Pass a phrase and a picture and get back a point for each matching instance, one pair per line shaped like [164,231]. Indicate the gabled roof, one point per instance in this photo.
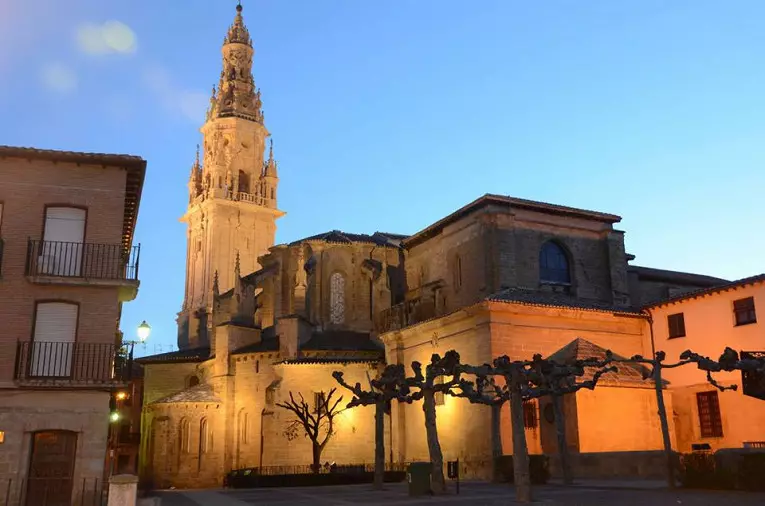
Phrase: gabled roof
[732,285]
[685,278]
[557,300]
[582,349]
[508,202]
[190,355]
[198,393]
[339,237]
[135,166]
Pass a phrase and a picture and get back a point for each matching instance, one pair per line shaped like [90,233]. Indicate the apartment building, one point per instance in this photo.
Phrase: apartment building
[67,264]
[706,321]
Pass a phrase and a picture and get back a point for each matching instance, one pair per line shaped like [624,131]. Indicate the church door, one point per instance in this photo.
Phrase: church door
[51,468]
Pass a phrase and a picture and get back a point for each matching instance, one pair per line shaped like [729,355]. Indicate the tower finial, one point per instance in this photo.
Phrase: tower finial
[237,270]
[239,6]
[216,289]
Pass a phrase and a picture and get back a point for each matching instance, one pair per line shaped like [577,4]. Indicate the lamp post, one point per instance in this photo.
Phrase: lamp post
[143,331]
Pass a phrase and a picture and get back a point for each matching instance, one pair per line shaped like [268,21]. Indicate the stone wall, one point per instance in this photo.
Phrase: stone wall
[604,465]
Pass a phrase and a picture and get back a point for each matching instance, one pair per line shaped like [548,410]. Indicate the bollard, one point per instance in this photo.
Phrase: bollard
[123,490]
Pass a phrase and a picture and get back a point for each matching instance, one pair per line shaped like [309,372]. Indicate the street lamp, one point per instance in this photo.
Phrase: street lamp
[144,329]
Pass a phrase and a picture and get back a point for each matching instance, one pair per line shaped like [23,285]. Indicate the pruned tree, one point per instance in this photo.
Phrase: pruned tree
[391,384]
[426,386]
[729,361]
[317,422]
[550,378]
[485,390]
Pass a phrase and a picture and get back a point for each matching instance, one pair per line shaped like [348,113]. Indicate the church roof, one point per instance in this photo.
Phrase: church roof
[336,236]
[332,360]
[190,355]
[731,285]
[582,349]
[198,393]
[557,300]
[686,278]
[341,340]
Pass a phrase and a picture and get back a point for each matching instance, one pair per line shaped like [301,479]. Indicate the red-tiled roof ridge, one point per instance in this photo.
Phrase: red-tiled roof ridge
[739,283]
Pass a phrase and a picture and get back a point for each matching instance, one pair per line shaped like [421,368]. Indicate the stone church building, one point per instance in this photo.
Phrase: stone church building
[261,320]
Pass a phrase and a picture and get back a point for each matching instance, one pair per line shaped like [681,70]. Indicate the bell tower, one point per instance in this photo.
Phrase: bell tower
[232,209]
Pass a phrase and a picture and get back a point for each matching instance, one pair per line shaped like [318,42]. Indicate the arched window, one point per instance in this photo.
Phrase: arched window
[553,264]
[205,438]
[193,381]
[337,298]
[244,427]
[244,182]
[184,436]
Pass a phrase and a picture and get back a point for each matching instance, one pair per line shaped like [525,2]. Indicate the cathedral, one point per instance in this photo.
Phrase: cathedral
[261,321]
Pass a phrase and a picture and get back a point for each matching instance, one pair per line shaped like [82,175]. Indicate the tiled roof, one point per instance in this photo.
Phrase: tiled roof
[686,278]
[331,360]
[581,349]
[559,300]
[341,340]
[336,236]
[263,346]
[136,172]
[198,393]
[739,283]
[509,202]
[191,355]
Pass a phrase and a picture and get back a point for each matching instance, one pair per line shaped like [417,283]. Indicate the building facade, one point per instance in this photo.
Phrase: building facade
[706,321]
[68,264]
[262,322]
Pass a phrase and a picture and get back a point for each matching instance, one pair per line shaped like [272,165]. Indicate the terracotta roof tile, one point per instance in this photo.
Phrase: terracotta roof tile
[191,355]
[739,283]
[581,349]
[559,300]
[198,393]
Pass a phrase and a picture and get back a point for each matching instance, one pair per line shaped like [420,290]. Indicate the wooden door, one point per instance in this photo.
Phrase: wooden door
[51,468]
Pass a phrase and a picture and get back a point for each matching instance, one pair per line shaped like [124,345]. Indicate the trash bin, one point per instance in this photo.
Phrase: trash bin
[418,477]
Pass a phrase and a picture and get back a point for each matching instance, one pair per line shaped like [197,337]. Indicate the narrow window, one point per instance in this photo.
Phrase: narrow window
[244,182]
[204,437]
[457,272]
[270,396]
[553,264]
[710,421]
[439,396]
[320,403]
[337,298]
[184,436]
[530,419]
[257,366]
[55,329]
[244,427]
[273,194]
[676,325]
[744,311]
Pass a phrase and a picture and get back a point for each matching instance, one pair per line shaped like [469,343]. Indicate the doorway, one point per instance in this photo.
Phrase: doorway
[51,468]
[63,236]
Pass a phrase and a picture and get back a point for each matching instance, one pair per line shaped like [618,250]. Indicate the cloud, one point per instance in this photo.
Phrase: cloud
[109,37]
[191,104]
[58,77]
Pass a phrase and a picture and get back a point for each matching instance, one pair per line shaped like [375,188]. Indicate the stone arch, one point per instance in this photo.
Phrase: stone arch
[555,265]
[244,182]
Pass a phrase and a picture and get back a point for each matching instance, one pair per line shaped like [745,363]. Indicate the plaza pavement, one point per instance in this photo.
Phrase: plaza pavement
[623,493]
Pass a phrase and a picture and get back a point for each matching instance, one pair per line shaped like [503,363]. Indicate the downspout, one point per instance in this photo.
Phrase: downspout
[650,326]
[262,439]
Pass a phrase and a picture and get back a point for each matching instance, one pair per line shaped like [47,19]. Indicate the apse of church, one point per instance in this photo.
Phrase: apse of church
[232,206]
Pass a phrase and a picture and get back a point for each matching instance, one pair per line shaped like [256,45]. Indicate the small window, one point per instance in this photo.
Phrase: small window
[244,182]
[244,427]
[553,264]
[337,298]
[270,396]
[257,366]
[530,419]
[744,311]
[676,325]
[205,443]
[184,436]
[457,272]
[320,403]
[710,421]
[439,396]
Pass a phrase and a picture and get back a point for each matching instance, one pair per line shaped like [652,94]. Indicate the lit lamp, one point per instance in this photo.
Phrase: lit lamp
[144,329]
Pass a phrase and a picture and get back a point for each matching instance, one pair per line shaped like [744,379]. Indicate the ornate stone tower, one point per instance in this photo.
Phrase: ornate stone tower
[232,189]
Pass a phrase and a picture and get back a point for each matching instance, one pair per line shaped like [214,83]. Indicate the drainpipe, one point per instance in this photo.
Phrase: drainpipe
[650,326]
[262,439]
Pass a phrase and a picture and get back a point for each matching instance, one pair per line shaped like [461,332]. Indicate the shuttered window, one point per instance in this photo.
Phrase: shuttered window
[54,335]
[530,418]
[676,324]
[710,421]
[61,254]
[744,311]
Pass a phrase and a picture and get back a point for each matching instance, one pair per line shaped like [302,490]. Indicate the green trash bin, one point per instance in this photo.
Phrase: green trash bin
[418,477]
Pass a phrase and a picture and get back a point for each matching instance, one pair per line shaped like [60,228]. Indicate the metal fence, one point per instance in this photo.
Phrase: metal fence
[54,492]
[326,468]
[84,362]
[82,260]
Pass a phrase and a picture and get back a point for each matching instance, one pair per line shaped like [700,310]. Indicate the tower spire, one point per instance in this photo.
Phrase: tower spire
[270,168]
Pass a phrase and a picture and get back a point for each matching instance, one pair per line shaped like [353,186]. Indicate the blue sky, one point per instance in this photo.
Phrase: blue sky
[389,115]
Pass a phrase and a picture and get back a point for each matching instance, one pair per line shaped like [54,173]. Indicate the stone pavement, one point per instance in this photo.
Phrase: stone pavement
[623,493]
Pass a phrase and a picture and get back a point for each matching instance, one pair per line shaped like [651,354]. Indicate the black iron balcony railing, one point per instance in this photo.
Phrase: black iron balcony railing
[403,314]
[82,260]
[69,362]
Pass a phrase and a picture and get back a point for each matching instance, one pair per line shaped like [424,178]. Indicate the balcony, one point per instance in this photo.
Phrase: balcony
[404,314]
[75,263]
[69,365]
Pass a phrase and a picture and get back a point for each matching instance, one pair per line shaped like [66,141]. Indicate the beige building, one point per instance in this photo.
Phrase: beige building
[706,321]
[260,321]
[67,264]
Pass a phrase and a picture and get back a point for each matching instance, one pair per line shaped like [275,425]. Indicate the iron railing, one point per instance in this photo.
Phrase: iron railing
[69,362]
[82,260]
[405,313]
[44,491]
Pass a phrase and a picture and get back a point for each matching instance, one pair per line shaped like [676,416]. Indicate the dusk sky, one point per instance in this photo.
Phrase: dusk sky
[388,115]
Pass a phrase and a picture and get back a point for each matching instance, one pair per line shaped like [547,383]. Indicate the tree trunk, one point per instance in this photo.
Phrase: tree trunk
[379,444]
[316,457]
[496,441]
[434,447]
[521,474]
[560,429]
[664,426]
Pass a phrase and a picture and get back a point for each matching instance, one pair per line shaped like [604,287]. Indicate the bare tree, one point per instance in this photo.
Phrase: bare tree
[425,387]
[317,423]
[390,385]
[729,361]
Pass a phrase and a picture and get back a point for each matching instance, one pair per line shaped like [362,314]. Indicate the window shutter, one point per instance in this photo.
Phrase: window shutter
[55,331]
